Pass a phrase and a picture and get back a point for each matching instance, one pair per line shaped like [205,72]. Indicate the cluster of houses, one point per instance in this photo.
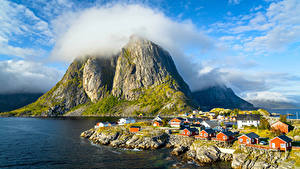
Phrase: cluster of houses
[212,130]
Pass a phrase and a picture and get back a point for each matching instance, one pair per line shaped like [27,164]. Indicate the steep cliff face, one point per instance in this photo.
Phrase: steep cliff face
[98,74]
[142,64]
[220,97]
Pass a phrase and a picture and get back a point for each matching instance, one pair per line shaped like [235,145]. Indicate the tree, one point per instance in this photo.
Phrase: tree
[264,123]
[282,118]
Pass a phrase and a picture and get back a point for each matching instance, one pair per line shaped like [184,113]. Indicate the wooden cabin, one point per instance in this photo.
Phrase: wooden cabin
[250,138]
[282,142]
[206,134]
[226,136]
[134,129]
[282,127]
[176,122]
[157,123]
[189,132]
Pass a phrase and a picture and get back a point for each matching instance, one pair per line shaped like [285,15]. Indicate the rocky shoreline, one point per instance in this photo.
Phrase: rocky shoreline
[189,149]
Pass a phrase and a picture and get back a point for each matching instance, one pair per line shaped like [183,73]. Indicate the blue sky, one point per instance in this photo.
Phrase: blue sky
[251,46]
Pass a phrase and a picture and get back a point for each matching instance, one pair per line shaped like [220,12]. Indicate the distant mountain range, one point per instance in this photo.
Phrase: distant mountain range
[9,102]
[142,78]
[267,104]
[220,96]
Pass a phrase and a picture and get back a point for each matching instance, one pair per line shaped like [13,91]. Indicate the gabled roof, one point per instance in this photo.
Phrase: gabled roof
[248,117]
[284,138]
[280,122]
[212,124]
[135,127]
[209,131]
[192,129]
[252,135]
[228,133]
[179,118]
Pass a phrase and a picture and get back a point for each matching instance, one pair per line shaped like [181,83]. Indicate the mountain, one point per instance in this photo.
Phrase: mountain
[268,104]
[141,78]
[10,102]
[219,97]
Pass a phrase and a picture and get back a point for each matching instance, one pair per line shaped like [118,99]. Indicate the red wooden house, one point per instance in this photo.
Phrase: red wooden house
[250,138]
[283,127]
[189,132]
[176,122]
[134,129]
[281,143]
[157,123]
[206,134]
[227,136]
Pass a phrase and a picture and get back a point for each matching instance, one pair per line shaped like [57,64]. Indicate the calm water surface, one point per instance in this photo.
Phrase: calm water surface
[56,143]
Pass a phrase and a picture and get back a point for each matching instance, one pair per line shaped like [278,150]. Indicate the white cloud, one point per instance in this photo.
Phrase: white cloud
[19,26]
[29,77]
[103,31]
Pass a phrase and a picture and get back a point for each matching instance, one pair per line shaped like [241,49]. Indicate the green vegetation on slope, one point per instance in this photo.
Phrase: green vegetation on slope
[106,106]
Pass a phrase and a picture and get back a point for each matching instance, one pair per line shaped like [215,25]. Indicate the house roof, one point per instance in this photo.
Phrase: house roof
[212,124]
[192,129]
[209,131]
[280,122]
[135,127]
[284,138]
[252,135]
[179,118]
[228,133]
[249,117]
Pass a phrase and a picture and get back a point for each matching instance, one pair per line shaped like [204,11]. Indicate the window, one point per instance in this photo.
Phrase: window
[224,137]
[205,135]
[241,140]
[273,145]
[201,134]
[282,145]
[248,141]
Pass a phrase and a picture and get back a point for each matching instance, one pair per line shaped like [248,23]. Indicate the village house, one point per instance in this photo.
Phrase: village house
[226,136]
[282,127]
[189,131]
[206,134]
[157,123]
[250,138]
[247,120]
[103,124]
[123,121]
[199,127]
[134,129]
[233,118]
[196,121]
[281,143]
[176,122]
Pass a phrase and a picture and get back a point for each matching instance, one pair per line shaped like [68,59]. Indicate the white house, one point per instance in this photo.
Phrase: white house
[123,121]
[247,120]
[103,124]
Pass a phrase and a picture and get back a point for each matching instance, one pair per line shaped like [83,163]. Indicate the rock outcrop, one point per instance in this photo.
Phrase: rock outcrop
[142,64]
[98,76]
[189,149]
[141,69]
